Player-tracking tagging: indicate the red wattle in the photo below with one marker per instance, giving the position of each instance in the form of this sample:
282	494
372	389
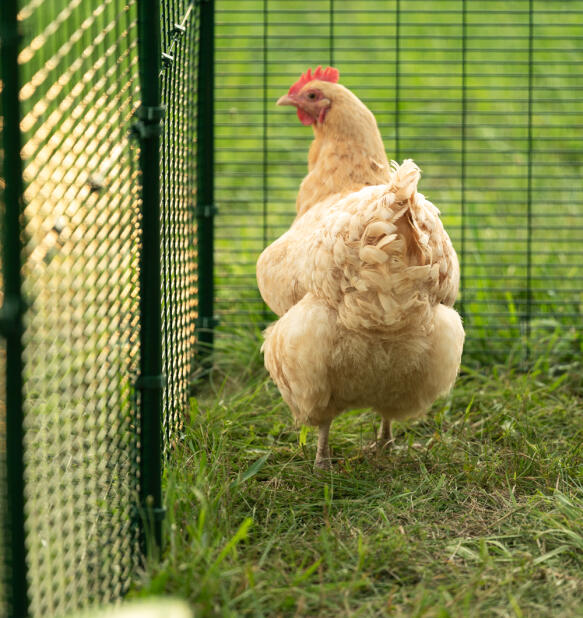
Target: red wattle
305	118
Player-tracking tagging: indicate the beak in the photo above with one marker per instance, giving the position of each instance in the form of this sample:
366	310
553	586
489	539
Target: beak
286	99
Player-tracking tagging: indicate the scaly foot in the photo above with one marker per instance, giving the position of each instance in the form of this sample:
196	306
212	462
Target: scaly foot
323	453
322	463
384	439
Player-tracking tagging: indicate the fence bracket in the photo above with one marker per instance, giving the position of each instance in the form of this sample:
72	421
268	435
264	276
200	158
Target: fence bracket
157	382
206	211
206	322
10	315
149	123
157	514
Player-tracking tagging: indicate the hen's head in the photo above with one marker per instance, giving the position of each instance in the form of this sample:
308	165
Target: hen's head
324	103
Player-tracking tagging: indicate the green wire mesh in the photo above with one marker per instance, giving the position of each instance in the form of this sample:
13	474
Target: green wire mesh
81	280
485	96
179	87
81	349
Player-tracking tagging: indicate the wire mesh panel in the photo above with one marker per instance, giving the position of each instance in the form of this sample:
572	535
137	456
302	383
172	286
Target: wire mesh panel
522	187
91	227
485	96
80	266
179	87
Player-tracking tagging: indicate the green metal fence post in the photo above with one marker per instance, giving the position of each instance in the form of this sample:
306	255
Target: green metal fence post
205	209
151	381
264	143
397	94
463	159
529	180
13	308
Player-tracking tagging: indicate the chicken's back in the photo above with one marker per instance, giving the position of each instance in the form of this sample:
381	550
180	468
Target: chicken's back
379	256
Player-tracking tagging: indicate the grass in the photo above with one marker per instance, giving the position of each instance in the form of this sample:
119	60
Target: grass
477	511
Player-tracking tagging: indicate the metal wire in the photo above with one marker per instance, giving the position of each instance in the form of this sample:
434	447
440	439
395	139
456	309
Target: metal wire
484	96
80	89
179	88
85	119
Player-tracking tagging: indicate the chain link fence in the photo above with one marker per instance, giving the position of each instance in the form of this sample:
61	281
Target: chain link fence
99	288
484	96
180	33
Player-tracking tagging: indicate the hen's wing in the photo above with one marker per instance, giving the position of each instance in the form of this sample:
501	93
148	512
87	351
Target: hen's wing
380	256
282	274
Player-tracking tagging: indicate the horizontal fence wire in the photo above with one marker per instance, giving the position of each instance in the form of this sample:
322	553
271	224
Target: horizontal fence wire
180	34
79	73
485	96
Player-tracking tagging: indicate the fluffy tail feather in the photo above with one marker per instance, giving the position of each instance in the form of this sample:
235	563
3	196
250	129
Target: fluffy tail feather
404	180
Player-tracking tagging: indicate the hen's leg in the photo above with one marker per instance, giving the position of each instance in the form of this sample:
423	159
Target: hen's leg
323	452
385	437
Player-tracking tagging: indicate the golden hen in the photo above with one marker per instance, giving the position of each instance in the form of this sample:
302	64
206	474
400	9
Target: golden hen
363	281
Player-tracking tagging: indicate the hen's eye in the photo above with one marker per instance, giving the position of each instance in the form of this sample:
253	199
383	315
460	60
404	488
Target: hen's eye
312	95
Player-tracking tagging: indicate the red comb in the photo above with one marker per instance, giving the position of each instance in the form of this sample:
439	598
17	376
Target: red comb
326	75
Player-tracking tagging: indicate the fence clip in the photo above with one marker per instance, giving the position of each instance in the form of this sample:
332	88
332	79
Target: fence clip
149	513
206	211
10	313
157	514
207	322
178	30
149	121
151	382
167	59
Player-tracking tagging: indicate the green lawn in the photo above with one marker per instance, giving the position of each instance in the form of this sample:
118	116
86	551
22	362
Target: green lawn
477	511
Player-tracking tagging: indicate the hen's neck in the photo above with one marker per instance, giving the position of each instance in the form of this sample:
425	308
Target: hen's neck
341	166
